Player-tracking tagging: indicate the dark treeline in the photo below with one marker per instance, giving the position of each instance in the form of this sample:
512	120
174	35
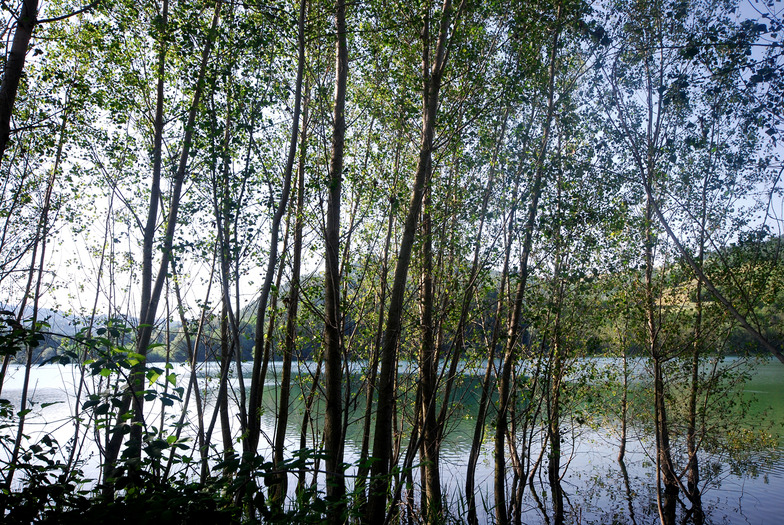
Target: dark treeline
402	198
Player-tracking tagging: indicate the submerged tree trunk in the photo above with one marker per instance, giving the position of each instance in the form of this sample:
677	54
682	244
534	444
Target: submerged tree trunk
667	497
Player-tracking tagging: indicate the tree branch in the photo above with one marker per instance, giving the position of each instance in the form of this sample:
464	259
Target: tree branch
69	15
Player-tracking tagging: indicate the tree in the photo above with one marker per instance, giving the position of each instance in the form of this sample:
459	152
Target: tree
333	426
151	293
433	68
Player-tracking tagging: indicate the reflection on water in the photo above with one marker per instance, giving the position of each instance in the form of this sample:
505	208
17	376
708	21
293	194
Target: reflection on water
747	488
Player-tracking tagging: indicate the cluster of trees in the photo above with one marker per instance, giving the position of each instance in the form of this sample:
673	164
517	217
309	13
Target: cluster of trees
373	183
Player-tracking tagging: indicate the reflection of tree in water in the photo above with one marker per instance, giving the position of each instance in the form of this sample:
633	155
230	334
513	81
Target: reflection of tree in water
625	492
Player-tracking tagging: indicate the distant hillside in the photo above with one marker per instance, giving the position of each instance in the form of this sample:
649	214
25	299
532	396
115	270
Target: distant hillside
58	323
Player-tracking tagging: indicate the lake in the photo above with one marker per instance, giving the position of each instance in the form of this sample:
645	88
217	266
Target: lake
746	486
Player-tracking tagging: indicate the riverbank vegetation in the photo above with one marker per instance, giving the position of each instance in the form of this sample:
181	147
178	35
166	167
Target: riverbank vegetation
409	216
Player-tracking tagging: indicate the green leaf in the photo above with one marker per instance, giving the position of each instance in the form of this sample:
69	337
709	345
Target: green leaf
93	401
153	374
135	358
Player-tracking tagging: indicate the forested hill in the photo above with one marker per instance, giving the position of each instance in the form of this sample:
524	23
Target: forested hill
754	259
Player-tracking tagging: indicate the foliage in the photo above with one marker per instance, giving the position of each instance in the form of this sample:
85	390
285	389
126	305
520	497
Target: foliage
587	171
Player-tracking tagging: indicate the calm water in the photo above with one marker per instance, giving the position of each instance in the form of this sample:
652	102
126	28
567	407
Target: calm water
746	487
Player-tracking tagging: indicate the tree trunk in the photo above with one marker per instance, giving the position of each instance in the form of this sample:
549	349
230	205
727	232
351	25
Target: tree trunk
459	343
428	367
513	332
726	304
41	237
149	309
667	497
624	403
693	467
279	489
223	204
484	400
333	363
223	398
363	467
257	380
192	346
556	376
307	419
14	68
382	444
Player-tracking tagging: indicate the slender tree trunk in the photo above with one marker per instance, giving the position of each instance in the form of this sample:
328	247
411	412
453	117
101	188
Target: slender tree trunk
513	331
554	420
363	468
155	186
624	401
41	237
693	468
191	346
406	468
223	398
428	366
73	453
149	308
14	67
484	401
556	374
307	418
278	492
667	497
471	285
333	370
257	379
224	206
382	444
